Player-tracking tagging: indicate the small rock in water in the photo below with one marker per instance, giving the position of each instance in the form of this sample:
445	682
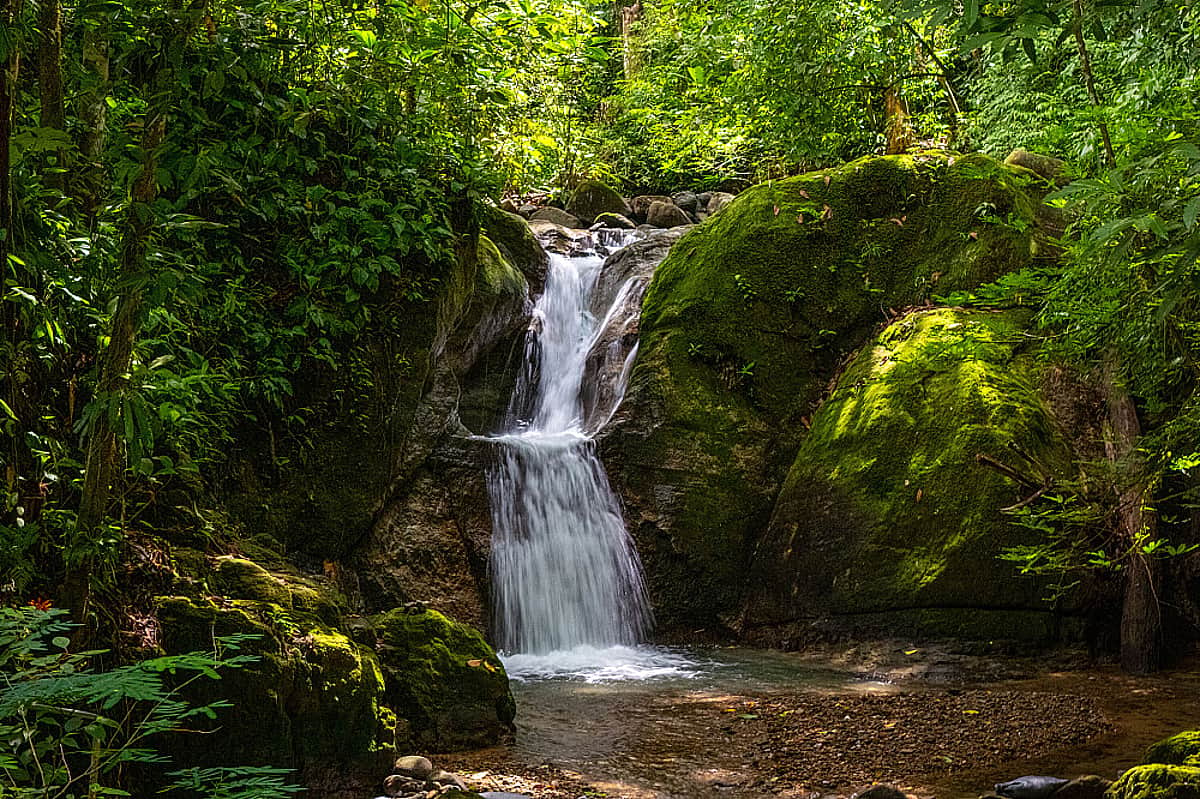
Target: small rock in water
1030	787
1087	787
400	785
418	768
504	795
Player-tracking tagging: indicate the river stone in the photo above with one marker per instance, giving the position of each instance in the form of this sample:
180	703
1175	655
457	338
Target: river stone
686	200
702	199
557	216
414	766
592	198
1030	787
527	209
504	795
640	205
717	201
1090	786
615	221
446	778
665	215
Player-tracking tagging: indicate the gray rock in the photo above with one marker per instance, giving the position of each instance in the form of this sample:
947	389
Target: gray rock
717	201
640	205
414	767
1030	787
686	200
446	778
668	214
702	198
1086	787
617	221
504	795
592	198
527	210
557	216
628	271
402	785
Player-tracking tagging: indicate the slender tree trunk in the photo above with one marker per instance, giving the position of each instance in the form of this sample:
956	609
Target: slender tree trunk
1141	617
627	17
93	113
10	68
897	129
1085	64
50	80
105	462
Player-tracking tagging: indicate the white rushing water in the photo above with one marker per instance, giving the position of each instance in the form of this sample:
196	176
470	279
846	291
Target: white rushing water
567	582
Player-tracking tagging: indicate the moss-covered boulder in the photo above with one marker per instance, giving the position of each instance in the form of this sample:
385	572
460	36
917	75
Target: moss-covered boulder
747	321
887	520
1178	750
310	696
443	680
592	198
1157	781
513	237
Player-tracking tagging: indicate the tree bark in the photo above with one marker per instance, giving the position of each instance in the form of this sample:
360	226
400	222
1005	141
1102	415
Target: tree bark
50	82
93	113
10	68
1141	616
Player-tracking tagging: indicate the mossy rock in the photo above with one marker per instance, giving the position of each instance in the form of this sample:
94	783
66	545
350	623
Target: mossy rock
513	237
444	680
886	509
311	694
1157	781
751	315
592	198
1178	750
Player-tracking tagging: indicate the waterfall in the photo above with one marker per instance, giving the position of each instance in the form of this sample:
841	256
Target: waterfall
565	574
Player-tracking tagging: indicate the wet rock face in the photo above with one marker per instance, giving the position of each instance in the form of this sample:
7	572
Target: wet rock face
625	275
743	328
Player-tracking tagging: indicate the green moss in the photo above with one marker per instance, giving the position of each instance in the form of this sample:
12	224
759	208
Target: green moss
444	679
1157	782
1178	750
865	526
497	276
310	695
592	198
516	242
755	309
244	579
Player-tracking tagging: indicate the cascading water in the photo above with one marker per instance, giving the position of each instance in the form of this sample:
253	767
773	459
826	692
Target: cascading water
567	581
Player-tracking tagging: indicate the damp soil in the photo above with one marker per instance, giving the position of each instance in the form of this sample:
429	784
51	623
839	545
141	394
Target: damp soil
760	724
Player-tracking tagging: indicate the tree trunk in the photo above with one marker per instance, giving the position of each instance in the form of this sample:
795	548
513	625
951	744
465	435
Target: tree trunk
627	17
1085	64
50	81
104	463
1141	617
93	113
896	126
10	67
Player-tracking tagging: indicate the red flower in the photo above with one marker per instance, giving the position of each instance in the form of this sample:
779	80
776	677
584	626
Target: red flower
41	603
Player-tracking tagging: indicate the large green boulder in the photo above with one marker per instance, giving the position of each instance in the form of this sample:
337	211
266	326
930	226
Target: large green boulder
443	680
1178	750
1157	781
887	520
750	317
592	198
310	696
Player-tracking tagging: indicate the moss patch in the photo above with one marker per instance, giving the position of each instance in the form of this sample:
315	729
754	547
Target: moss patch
1157	781
886	506
1178	750
592	198
444	679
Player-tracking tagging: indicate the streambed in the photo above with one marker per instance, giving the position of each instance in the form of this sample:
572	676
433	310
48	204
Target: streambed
746	723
